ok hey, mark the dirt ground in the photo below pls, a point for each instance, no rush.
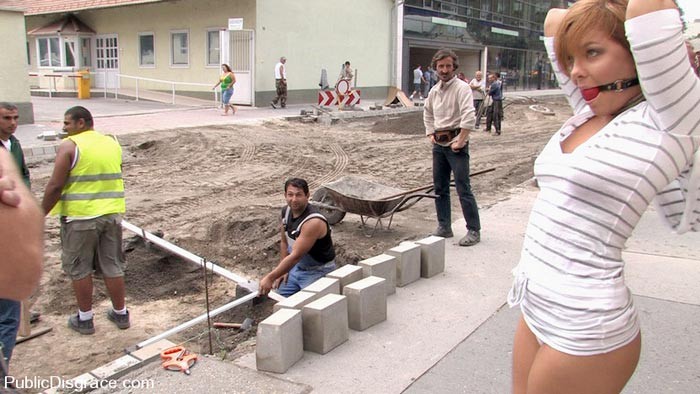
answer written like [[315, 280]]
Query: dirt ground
[[217, 191]]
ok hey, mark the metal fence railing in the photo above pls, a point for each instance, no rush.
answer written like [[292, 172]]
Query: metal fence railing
[[152, 84]]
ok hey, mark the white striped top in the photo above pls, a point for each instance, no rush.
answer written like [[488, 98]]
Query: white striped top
[[569, 281]]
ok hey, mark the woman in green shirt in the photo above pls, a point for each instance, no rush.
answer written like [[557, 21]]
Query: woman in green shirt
[[226, 81]]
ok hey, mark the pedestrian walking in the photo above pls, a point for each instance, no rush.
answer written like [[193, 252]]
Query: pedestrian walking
[[226, 81], [280, 84]]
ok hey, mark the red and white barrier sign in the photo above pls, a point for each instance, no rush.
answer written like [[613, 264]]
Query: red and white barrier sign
[[327, 98]]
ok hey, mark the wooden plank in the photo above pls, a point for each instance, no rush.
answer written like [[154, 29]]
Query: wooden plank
[[25, 327], [36, 334], [391, 95], [407, 102]]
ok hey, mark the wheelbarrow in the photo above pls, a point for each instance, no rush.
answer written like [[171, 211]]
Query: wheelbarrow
[[365, 198], [369, 199]]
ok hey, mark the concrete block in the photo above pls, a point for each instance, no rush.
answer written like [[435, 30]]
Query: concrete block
[[432, 256], [325, 323], [85, 380], [324, 286], [115, 368], [346, 274], [152, 351], [366, 302], [296, 301], [383, 266], [280, 341], [407, 262]]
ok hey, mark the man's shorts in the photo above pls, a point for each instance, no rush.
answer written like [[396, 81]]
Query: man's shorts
[[92, 245]]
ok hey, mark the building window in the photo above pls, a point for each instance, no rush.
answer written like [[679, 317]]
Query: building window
[[147, 50], [179, 48], [213, 48], [69, 51], [63, 52], [86, 52], [49, 52]]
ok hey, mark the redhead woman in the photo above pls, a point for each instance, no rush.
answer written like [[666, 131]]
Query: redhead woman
[[633, 139], [226, 81]]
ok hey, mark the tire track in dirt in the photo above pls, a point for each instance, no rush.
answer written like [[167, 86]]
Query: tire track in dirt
[[340, 163]]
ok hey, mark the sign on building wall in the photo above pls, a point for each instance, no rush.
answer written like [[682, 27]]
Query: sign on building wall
[[235, 23]]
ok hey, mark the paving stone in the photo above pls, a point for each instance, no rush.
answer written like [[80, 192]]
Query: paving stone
[[296, 300], [432, 256], [383, 266], [325, 323], [116, 368], [324, 286], [346, 274], [152, 351], [407, 262], [366, 302], [279, 341], [85, 380]]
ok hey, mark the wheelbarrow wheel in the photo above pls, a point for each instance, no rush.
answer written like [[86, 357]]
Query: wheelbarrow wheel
[[333, 216]]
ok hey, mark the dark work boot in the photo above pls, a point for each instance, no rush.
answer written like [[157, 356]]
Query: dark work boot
[[443, 232]]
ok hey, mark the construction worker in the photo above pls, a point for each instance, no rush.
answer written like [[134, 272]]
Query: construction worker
[[87, 191], [448, 120], [347, 74], [306, 248]]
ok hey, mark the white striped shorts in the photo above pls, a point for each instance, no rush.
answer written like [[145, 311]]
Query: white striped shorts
[[579, 317]]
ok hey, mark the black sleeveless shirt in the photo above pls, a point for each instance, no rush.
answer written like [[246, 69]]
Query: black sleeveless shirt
[[322, 250]]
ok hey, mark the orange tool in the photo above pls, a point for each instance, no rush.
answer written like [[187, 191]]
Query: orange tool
[[178, 358]]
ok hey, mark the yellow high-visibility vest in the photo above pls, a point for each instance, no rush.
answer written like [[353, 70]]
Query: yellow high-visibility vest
[[94, 186]]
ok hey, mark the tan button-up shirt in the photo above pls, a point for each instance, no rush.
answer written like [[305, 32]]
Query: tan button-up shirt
[[449, 106]]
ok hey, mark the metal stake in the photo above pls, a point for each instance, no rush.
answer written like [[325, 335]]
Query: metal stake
[[206, 297]]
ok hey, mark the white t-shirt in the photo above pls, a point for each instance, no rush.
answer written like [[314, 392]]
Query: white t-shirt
[[417, 75], [280, 71], [478, 94]]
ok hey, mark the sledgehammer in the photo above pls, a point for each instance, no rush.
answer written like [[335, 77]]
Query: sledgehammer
[[245, 326]]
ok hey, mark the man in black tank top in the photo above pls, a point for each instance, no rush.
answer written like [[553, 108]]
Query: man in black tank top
[[306, 248]]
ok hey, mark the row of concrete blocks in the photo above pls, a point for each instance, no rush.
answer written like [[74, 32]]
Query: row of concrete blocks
[[319, 317]]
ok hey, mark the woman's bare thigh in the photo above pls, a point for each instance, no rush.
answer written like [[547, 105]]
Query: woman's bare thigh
[[553, 370], [525, 347]]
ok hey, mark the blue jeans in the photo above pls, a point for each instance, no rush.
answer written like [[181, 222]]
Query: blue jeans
[[446, 161], [300, 277], [226, 95], [9, 324]]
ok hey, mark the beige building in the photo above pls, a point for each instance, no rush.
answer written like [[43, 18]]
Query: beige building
[[14, 80], [154, 43]]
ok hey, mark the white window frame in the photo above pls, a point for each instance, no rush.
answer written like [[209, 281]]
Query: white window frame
[[138, 49], [206, 47], [61, 59], [187, 32]]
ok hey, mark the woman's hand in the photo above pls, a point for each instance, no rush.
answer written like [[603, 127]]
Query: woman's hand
[[637, 8], [553, 20]]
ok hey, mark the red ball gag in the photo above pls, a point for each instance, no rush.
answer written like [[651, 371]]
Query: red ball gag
[[590, 93]]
